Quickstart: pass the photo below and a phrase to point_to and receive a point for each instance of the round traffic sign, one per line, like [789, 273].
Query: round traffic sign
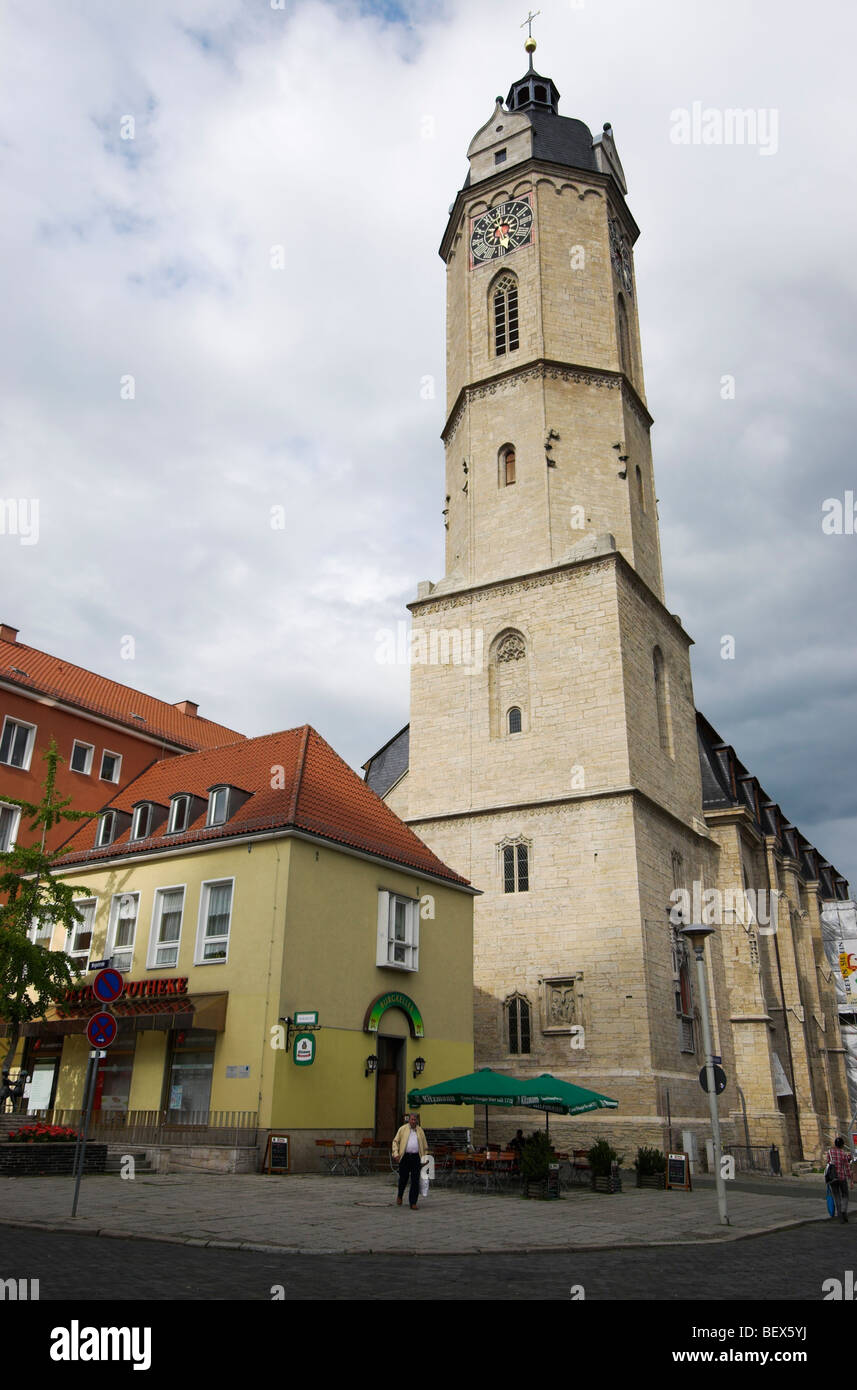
[101, 1030]
[719, 1080]
[108, 985]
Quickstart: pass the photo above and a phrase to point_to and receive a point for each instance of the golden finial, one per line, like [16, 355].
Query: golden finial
[530, 43]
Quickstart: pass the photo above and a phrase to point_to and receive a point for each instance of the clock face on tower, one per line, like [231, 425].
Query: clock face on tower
[620, 256]
[500, 230]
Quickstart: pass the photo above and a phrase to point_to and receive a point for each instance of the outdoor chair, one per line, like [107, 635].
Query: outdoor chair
[327, 1154]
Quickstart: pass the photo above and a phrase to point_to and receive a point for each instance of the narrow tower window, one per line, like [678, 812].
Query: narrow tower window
[505, 298]
[518, 1021]
[507, 465]
[641, 491]
[514, 720]
[662, 701]
[624, 336]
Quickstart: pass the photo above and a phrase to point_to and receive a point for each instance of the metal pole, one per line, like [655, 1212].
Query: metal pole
[93, 1057]
[699, 952]
[78, 1141]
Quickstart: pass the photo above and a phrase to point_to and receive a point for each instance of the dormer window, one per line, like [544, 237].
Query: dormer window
[218, 806]
[179, 810]
[106, 829]
[142, 821]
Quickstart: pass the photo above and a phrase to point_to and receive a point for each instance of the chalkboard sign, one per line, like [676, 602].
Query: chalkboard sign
[678, 1171]
[277, 1154]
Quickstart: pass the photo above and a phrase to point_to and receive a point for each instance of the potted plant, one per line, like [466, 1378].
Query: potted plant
[604, 1164]
[537, 1158]
[651, 1166]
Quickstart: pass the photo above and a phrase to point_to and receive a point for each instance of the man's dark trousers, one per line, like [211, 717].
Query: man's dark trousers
[409, 1167]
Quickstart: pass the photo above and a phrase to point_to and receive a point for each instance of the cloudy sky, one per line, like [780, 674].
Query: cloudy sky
[153, 155]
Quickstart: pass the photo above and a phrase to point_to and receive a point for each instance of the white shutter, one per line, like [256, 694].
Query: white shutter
[414, 933]
[383, 927]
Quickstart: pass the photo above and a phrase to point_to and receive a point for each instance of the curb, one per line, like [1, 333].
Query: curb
[259, 1248]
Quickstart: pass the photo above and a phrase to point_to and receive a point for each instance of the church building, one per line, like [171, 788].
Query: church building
[554, 756]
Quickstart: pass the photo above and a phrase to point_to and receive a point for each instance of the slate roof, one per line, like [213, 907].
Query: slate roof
[562, 140]
[37, 671]
[314, 791]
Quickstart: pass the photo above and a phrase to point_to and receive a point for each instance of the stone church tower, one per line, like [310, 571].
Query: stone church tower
[553, 752]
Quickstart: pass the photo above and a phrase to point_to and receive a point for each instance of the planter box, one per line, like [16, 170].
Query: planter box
[658, 1181]
[545, 1188]
[48, 1160]
[610, 1183]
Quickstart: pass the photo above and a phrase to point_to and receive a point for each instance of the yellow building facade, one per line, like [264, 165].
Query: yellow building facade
[225, 940]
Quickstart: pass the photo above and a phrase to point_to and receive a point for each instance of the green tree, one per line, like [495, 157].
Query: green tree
[33, 977]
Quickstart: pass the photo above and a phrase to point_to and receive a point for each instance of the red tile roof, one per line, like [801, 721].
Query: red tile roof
[43, 674]
[295, 780]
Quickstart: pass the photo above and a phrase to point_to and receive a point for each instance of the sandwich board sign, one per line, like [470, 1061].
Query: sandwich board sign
[678, 1171]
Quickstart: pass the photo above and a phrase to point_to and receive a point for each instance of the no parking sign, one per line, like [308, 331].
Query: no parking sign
[101, 1029]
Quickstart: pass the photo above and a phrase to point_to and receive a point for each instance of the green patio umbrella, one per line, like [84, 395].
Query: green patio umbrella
[483, 1087]
[558, 1097]
[487, 1087]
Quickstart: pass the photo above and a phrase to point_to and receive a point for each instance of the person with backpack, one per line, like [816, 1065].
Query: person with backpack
[837, 1175]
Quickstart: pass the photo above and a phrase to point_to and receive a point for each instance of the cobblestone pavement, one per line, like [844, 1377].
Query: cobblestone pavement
[322, 1215]
[787, 1266]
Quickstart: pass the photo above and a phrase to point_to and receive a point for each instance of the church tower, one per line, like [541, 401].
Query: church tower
[553, 754]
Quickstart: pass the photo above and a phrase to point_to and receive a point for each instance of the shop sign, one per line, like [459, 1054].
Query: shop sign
[307, 1019]
[394, 999]
[236, 1073]
[76, 1000]
[304, 1050]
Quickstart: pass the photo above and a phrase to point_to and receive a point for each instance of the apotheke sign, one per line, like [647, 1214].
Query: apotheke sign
[75, 1000]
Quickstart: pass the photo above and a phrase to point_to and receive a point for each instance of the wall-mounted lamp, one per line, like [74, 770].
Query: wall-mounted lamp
[371, 1064]
[419, 1066]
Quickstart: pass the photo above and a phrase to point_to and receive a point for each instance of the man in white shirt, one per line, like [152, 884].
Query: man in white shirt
[410, 1147]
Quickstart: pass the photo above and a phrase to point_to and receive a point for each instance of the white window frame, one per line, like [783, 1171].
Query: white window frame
[108, 753]
[31, 740]
[90, 749]
[16, 825]
[174, 805]
[152, 962]
[45, 937]
[135, 824]
[127, 950]
[388, 944]
[212, 804]
[82, 956]
[100, 840]
[201, 939]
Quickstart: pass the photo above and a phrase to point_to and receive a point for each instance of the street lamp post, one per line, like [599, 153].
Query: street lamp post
[696, 934]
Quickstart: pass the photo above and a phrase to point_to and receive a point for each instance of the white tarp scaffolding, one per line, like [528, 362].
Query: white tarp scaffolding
[839, 934]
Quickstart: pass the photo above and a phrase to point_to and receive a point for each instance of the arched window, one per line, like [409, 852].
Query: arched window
[507, 465]
[516, 868]
[518, 1024]
[504, 296]
[514, 720]
[624, 336]
[662, 701]
[508, 682]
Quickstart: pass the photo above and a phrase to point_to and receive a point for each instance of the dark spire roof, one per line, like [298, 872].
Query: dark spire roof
[532, 92]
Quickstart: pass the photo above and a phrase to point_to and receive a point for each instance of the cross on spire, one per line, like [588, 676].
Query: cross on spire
[529, 22]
